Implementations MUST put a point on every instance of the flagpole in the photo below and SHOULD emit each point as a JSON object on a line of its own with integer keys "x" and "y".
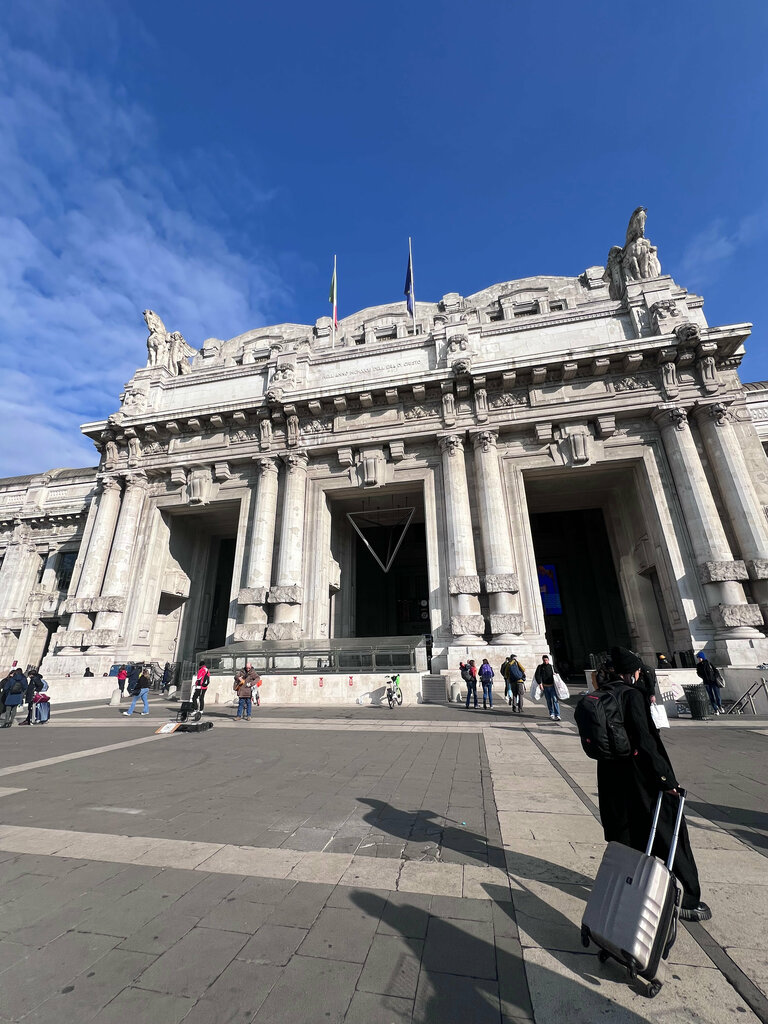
{"x": 413, "y": 290}
{"x": 335, "y": 300}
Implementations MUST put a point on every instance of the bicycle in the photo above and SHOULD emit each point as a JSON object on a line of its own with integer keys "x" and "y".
{"x": 394, "y": 693}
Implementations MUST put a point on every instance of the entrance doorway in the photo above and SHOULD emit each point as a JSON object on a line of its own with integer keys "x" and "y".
{"x": 604, "y": 569}
{"x": 583, "y": 610}
{"x": 381, "y": 547}
{"x": 196, "y": 610}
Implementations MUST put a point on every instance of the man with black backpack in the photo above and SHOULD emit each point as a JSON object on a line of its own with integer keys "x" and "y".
{"x": 617, "y": 731}
{"x": 469, "y": 675}
{"x": 14, "y": 689}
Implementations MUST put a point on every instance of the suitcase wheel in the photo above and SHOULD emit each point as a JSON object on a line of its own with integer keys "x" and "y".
{"x": 603, "y": 957}
{"x": 653, "y": 990}
{"x": 584, "y": 936}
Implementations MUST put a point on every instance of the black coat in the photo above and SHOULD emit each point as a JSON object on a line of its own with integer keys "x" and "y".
{"x": 628, "y": 789}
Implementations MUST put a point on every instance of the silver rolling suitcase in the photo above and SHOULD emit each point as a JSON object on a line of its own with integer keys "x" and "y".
{"x": 632, "y": 910}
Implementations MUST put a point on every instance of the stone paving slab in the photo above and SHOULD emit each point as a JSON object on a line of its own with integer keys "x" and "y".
{"x": 337, "y": 935}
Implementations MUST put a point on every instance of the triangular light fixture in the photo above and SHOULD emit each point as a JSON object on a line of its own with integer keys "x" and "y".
{"x": 382, "y": 531}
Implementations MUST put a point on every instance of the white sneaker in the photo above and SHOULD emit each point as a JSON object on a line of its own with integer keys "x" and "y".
{"x": 558, "y": 718}
{"x": 552, "y": 717}
{"x": 128, "y": 713}
{"x": 145, "y": 712}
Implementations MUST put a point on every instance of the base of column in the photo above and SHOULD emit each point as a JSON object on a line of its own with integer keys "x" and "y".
{"x": 252, "y": 632}
{"x": 283, "y": 631}
{"x": 736, "y": 652}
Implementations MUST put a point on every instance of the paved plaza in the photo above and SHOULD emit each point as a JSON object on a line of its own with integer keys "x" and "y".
{"x": 352, "y": 864}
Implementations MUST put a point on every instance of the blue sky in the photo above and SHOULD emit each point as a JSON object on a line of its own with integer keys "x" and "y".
{"x": 206, "y": 160}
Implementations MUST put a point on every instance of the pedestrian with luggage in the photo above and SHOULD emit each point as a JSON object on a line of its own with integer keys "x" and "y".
{"x": 469, "y": 675}
{"x": 14, "y": 691}
{"x": 633, "y": 767}
{"x": 41, "y": 701}
{"x": 712, "y": 680}
{"x": 545, "y": 677}
{"x": 486, "y": 681}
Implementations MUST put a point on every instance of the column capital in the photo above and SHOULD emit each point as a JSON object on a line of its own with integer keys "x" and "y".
{"x": 136, "y": 480}
{"x": 666, "y": 416}
{"x": 109, "y": 483}
{"x": 485, "y": 440}
{"x": 451, "y": 444}
{"x": 296, "y": 461}
{"x": 266, "y": 465}
{"x": 718, "y": 412}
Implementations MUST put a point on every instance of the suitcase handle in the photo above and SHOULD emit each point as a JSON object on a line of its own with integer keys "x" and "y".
{"x": 675, "y": 834}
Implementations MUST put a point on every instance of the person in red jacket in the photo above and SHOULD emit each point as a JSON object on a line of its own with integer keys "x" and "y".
{"x": 202, "y": 680}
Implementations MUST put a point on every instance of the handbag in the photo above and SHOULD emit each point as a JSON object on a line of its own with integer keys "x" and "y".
{"x": 561, "y": 689}
{"x": 659, "y": 716}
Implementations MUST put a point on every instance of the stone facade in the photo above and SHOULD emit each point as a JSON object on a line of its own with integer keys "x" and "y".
{"x": 609, "y": 387}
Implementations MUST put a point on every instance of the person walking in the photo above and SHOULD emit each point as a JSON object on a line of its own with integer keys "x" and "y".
{"x": 244, "y": 692}
{"x": 628, "y": 787}
{"x": 42, "y": 702}
{"x": 202, "y": 680}
{"x": 486, "y": 681}
{"x": 140, "y": 689}
{"x": 122, "y": 675}
{"x": 469, "y": 675}
{"x": 545, "y": 677}
{"x": 29, "y": 698}
{"x": 712, "y": 680}
{"x": 14, "y": 691}
{"x": 166, "y": 681}
{"x": 516, "y": 676}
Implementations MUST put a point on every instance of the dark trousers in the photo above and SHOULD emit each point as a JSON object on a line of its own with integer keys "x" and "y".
{"x": 713, "y": 692}
{"x": 472, "y": 691}
{"x": 198, "y": 701}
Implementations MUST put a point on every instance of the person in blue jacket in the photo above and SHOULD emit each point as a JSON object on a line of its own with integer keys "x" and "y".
{"x": 14, "y": 690}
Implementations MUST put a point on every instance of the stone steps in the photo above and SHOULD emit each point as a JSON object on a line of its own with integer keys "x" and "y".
{"x": 433, "y": 690}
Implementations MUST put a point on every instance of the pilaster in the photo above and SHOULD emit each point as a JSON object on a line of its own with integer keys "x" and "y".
{"x": 285, "y": 593}
{"x": 95, "y": 564}
{"x": 501, "y": 580}
{"x": 738, "y": 493}
{"x": 732, "y": 617}
{"x": 467, "y": 624}
{"x": 117, "y": 574}
{"x": 261, "y": 544}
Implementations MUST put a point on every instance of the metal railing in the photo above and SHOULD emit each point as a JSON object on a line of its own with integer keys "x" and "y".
{"x": 748, "y": 698}
{"x": 303, "y": 657}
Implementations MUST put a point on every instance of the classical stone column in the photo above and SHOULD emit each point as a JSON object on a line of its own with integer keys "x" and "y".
{"x": 92, "y": 575}
{"x": 501, "y": 582}
{"x": 286, "y": 594}
{"x": 719, "y": 572}
{"x": 17, "y": 575}
{"x": 467, "y": 624}
{"x": 259, "y": 558}
{"x": 114, "y": 591}
{"x": 735, "y": 483}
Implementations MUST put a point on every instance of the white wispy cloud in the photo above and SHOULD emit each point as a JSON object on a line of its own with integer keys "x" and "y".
{"x": 96, "y": 224}
{"x": 717, "y": 244}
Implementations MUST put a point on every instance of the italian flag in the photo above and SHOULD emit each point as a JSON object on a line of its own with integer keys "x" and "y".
{"x": 333, "y": 296}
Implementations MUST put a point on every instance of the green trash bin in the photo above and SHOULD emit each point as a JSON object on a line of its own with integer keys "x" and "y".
{"x": 698, "y": 701}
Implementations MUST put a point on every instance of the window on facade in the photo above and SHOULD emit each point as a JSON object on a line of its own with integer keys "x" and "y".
{"x": 359, "y": 340}
{"x": 496, "y": 314}
{"x": 65, "y": 569}
{"x": 389, "y": 334}
{"x": 527, "y": 309}
{"x": 556, "y": 307}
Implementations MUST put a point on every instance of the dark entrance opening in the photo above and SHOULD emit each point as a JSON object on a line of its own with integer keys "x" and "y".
{"x": 222, "y": 557}
{"x": 583, "y": 609}
{"x": 393, "y": 603}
